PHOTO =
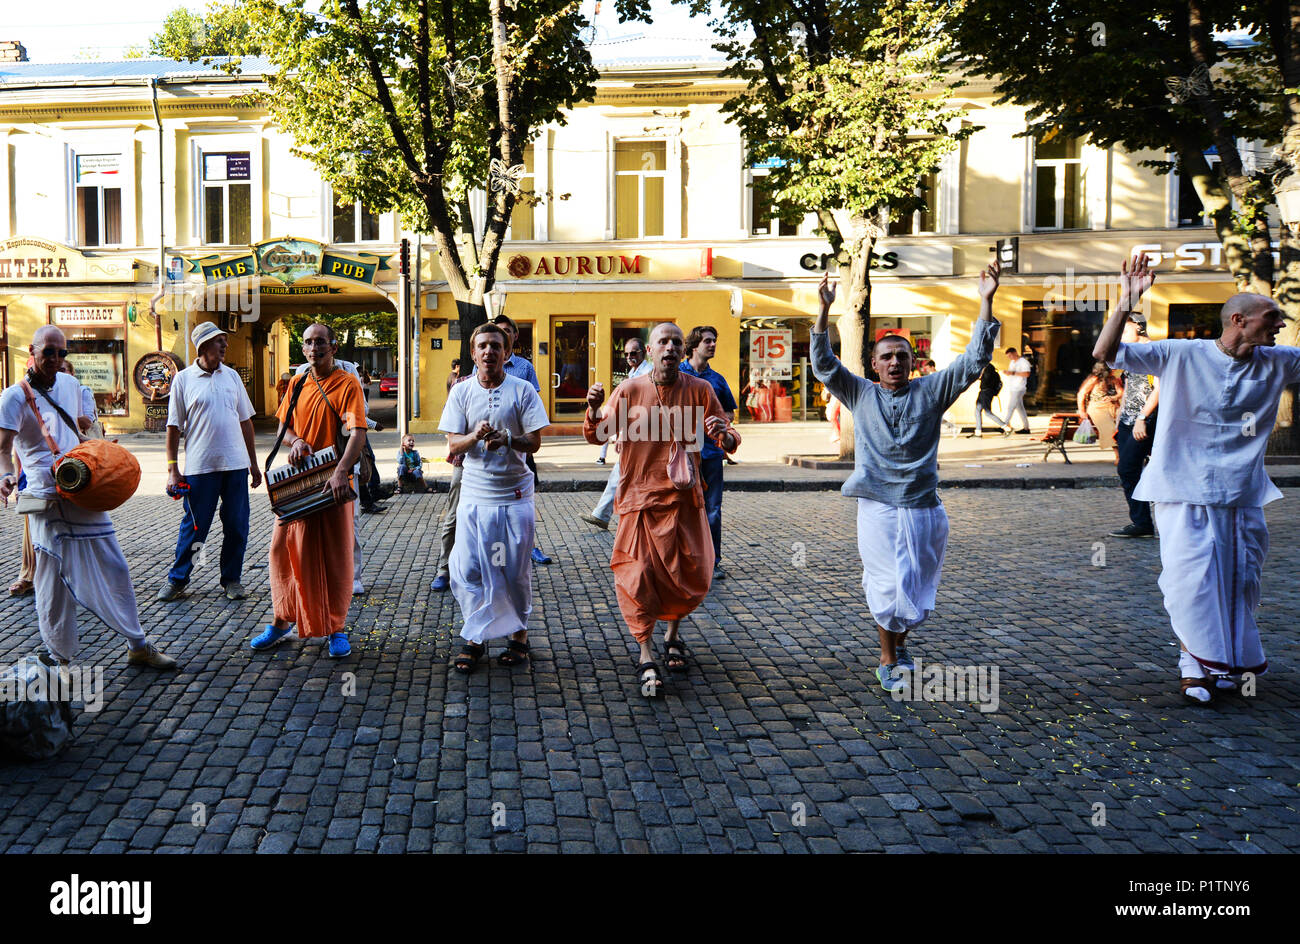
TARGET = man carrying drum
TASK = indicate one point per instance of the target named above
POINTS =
(311, 558)
(78, 559)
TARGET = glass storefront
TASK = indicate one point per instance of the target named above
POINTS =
(775, 373)
(620, 333)
(96, 336)
(1061, 341)
(1195, 321)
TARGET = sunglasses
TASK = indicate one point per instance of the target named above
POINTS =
(59, 352)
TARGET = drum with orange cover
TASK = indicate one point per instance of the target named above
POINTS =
(97, 475)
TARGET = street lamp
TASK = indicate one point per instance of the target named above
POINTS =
(1288, 201)
(496, 302)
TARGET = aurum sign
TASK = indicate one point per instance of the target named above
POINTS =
(523, 267)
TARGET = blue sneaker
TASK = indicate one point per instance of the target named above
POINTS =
(890, 679)
(339, 645)
(440, 583)
(270, 637)
(904, 659)
(539, 557)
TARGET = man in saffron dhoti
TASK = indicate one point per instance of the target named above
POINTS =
(902, 526)
(663, 555)
(78, 559)
(1218, 402)
(311, 558)
(493, 420)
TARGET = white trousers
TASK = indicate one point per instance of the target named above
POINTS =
(1016, 401)
(1211, 558)
(902, 559)
(492, 568)
(605, 507)
(356, 543)
(78, 560)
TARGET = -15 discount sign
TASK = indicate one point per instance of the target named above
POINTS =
(770, 352)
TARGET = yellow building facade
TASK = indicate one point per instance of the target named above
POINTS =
(140, 199)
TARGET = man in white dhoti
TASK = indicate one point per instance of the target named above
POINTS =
(902, 526)
(1218, 402)
(493, 419)
(78, 559)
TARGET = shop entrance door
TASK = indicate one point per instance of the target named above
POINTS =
(572, 356)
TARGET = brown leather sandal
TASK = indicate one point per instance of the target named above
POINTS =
(20, 588)
(1203, 683)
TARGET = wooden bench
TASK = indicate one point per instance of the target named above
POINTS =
(1060, 430)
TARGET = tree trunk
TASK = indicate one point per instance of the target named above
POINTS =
(855, 324)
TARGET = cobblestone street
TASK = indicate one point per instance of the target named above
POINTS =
(779, 738)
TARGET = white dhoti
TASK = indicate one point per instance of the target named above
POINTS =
(902, 558)
(356, 543)
(78, 560)
(1211, 558)
(492, 568)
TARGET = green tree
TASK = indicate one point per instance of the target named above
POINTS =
(189, 36)
(1168, 76)
(379, 325)
(410, 105)
(848, 104)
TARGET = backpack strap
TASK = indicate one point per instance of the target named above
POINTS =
(284, 425)
(45, 430)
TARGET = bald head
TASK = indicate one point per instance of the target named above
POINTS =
(1245, 304)
(665, 353)
(48, 334)
(48, 351)
(1250, 321)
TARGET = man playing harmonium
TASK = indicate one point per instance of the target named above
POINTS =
(311, 557)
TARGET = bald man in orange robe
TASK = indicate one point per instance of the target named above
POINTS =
(663, 555)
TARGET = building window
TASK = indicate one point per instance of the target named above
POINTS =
(763, 220)
(640, 169)
(99, 199)
(96, 336)
(521, 216)
(1191, 211)
(353, 223)
(1059, 198)
(227, 198)
(922, 219)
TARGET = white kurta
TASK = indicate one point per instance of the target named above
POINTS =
(902, 559)
(1211, 558)
(492, 568)
(78, 560)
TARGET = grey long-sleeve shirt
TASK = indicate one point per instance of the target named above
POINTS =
(896, 433)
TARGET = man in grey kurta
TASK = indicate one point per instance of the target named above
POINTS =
(902, 527)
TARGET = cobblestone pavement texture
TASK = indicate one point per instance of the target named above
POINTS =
(777, 740)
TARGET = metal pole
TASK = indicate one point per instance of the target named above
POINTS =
(418, 327)
(803, 389)
(404, 339)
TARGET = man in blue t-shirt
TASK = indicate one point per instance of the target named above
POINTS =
(701, 346)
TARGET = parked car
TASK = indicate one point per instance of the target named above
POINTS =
(388, 385)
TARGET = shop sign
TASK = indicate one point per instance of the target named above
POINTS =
(86, 316)
(96, 371)
(523, 267)
(39, 260)
(154, 374)
(290, 261)
(771, 350)
(1190, 255)
(779, 262)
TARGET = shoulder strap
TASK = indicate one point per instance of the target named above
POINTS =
(49, 440)
(338, 429)
(288, 415)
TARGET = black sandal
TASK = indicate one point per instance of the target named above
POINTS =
(515, 654)
(467, 660)
(650, 687)
(676, 651)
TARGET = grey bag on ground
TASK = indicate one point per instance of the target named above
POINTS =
(36, 729)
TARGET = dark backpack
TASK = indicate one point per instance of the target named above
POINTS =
(991, 382)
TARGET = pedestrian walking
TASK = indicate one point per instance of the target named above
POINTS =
(634, 352)
(701, 347)
(494, 419)
(990, 386)
(211, 409)
(1218, 402)
(1135, 435)
(902, 525)
(1098, 402)
(1017, 374)
(663, 554)
(78, 558)
(311, 559)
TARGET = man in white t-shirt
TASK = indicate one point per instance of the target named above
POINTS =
(1013, 389)
(211, 407)
(78, 559)
(493, 419)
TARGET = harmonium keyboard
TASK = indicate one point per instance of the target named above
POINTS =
(298, 491)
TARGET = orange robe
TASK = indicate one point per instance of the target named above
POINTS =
(663, 553)
(311, 559)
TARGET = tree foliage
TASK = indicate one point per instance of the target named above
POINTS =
(190, 37)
